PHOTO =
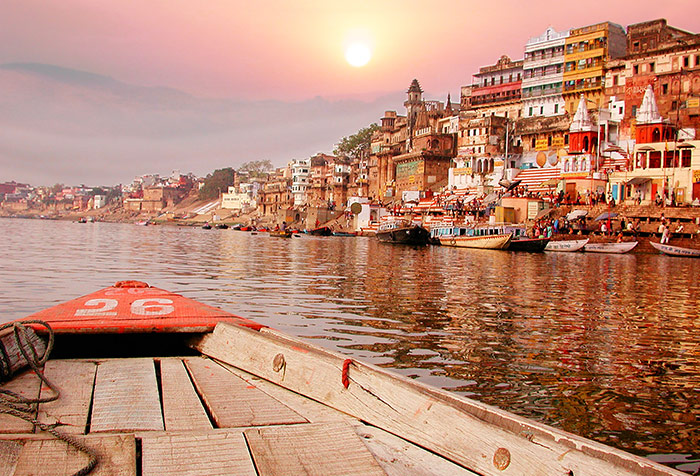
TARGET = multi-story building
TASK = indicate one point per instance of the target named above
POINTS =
(543, 73)
(666, 58)
(587, 52)
(496, 90)
(412, 153)
(300, 179)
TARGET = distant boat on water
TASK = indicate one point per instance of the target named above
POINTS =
(566, 245)
(676, 250)
(622, 247)
(403, 231)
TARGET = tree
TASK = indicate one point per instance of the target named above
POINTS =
(216, 183)
(255, 168)
(358, 144)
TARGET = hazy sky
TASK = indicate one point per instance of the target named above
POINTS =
(281, 49)
(292, 51)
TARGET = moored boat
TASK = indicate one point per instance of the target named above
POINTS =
(224, 390)
(531, 245)
(321, 231)
(403, 231)
(281, 233)
(566, 245)
(618, 247)
(206, 226)
(484, 237)
(221, 226)
(675, 250)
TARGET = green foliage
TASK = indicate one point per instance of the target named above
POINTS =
(358, 144)
(216, 183)
(256, 168)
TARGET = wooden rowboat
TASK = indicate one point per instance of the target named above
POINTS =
(622, 247)
(676, 250)
(153, 383)
(281, 233)
(491, 242)
(566, 245)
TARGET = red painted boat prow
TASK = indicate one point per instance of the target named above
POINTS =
(134, 306)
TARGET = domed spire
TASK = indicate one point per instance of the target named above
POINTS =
(582, 120)
(415, 87)
(649, 111)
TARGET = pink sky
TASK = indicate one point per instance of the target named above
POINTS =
(278, 49)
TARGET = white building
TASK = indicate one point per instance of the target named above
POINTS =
(543, 73)
(300, 179)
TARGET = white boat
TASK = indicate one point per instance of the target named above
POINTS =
(566, 245)
(491, 242)
(622, 247)
(676, 250)
(484, 237)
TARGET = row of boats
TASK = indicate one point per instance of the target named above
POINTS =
(510, 237)
(504, 237)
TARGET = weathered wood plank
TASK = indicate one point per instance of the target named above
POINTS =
(74, 379)
(50, 457)
(208, 454)
(233, 402)
(313, 411)
(475, 435)
(398, 457)
(9, 455)
(316, 449)
(26, 384)
(182, 408)
(126, 397)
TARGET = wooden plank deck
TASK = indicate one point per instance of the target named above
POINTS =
(182, 408)
(74, 380)
(312, 449)
(233, 402)
(197, 453)
(27, 385)
(126, 396)
(46, 456)
(311, 439)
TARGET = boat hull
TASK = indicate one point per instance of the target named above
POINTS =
(281, 234)
(321, 231)
(676, 250)
(412, 235)
(616, 248)
(488, 242)
(566, 245)
(530, 245)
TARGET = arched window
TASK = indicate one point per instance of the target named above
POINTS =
(656, 135)
(491, 165)
(585, 144)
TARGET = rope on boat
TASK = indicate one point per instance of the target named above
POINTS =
(16, 405)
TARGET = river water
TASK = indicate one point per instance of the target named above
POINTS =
(607, 347)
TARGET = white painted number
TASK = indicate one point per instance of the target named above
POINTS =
(152, 307)
(105, 310)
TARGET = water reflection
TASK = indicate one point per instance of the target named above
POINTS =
(602, 346)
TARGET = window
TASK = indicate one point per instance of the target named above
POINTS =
(664, 88)
(635, 69)
(530, 111)
(533, 142)
(651, 67)
(635, 46)
(686, 61)
(614, 80)
(541, 110)
(634, 111)
(556, 108)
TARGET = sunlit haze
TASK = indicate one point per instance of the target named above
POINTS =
(235, 71)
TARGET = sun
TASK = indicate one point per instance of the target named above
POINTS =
(358, 54)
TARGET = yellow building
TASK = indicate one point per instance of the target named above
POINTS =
(586, 54)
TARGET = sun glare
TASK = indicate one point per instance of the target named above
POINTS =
(358, 54)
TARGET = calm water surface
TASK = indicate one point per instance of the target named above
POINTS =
(607, 347)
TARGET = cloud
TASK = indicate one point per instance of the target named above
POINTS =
(62, 125)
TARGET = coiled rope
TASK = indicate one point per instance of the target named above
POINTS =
(14, 404)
